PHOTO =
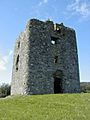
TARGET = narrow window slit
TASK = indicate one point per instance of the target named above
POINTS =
(63, 34)
(19, 44)
(17, 62)
(56, 59)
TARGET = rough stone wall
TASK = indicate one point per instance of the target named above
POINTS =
(45, 48)
(19, 77)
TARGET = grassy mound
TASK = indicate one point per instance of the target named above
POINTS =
(46, 107)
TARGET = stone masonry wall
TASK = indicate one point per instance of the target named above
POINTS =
(45, 50)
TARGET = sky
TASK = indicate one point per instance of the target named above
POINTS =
(14, 15)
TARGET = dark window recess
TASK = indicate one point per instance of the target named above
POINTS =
(63, 34)
(54, 40)
(17, 62)
(19, 44)
(56, 59)
(59, 30)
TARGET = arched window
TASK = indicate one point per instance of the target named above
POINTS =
(17, 62)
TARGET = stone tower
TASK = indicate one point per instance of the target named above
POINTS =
(45, 60)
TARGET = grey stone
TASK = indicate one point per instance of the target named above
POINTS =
(45, 60)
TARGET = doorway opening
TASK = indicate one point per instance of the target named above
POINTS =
(58, 82)
(58, 85)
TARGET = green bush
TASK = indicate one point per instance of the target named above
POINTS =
(5, 90)
(85, 87)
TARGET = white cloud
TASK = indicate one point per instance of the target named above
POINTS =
(42, 2)
(4, 60)
(2, 65)
(78, 7)
(10, 53)
(45, 1)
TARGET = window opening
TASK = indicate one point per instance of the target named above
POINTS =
(17, 62)
(19, 44)
(54, 40)
(56, 59)
(58, 30)
(63, 34)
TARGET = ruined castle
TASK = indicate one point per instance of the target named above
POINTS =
(45, 60)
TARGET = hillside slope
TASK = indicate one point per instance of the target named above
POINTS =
(46, 107)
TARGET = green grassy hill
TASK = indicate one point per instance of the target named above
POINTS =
(46, 107)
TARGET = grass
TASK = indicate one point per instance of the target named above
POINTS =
(46, 107)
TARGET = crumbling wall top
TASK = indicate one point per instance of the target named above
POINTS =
(48, 23)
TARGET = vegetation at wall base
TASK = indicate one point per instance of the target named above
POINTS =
(85, 87)
(5, 90)
(46, 107)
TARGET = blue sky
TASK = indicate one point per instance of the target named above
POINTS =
(15, 13)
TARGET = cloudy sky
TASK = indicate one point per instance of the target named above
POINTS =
(15, 13)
